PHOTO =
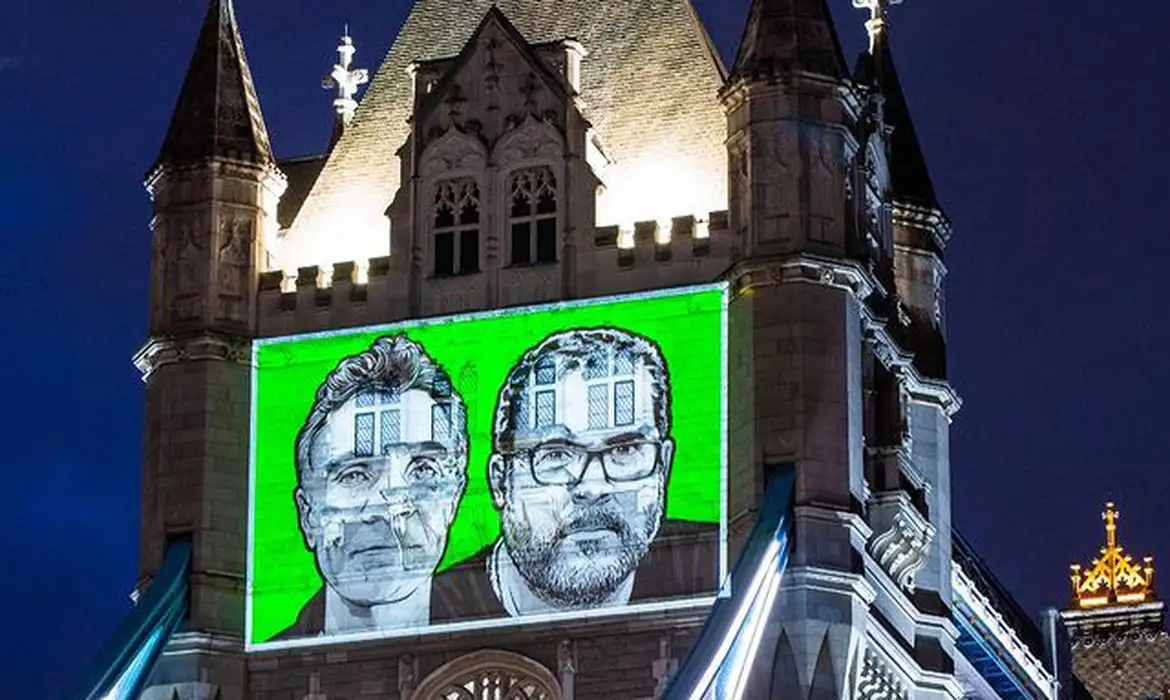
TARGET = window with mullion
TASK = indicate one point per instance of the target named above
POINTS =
(533, 216)
(456, 227)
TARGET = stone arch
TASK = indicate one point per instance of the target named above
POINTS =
(490, 673)
(453, 153)
(533, 140)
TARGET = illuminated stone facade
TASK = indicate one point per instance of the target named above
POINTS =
(785, 175)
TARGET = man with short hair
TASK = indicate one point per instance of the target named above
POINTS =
(581, 456)
(381, 466)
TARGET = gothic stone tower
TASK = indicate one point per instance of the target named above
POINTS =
(792, 178)
(215, 188)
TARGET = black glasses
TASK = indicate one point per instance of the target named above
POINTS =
(564, 464)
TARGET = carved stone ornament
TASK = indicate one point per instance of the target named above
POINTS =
(876, 681)
(532, 139)
(498, 675)
(902, 537)
(453, 151)
(159, 352)
(407, 676)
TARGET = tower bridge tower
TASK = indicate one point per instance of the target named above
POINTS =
(518, 153)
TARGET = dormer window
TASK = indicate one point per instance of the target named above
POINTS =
(533, 216)
(456, 227)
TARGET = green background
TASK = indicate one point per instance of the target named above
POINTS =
(477, 351)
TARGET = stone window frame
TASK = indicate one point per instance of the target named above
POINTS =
(520, 673)
(534, 217)
(457, 228)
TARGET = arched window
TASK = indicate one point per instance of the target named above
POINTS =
(533, 216)
(456, 227)
(490, 675)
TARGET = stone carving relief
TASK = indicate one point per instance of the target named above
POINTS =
(530, 140)
(234, 267)
(530, 285)
(453, 151)
(737, 190)
(490, 674)
(449, 295)
(773, 153)
(495, 685)
(902, 537)
(876, 681)
(823, 169)
(493, 70)
(665, 666)
(187, 269)
(407, 676)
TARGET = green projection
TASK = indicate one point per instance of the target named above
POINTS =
(615, 405)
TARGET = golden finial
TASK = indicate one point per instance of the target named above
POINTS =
(1110, 517)
(1114, 578)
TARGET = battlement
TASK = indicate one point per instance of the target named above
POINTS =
(648, 255)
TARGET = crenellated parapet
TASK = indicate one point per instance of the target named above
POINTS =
(611, 260)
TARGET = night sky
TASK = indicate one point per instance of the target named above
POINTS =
(1044, 126)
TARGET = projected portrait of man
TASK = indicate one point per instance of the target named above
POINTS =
(381, 466)
(581, 456)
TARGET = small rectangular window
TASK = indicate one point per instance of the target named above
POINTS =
(623, 362)
(441, 422)
(445, 253)
(596, 365)
(468, 251)
(546, 370)
(623, 403)
(363, 435)
(599, 406)
(391, 430)
(546, 409)
(520, 414)
(521, 243)
(546, 240)
(365, 399)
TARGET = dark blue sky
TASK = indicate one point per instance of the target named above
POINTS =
(1044, 126)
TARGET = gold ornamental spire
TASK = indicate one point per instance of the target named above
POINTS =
(1113, 578)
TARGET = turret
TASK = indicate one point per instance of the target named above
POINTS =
(215, 189)
(789, 149)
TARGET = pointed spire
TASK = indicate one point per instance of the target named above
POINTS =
(909, 174)
(782, 36)
(218, 114)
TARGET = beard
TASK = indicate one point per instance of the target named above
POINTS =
(577, 564)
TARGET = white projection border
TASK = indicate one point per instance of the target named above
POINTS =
(681, 604)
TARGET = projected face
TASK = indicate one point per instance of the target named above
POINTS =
(385, 472)
(581, 464)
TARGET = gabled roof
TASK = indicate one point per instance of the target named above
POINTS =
(493, 16)
(782, 36)
(650, 85)
(217, 114)
(909, 174)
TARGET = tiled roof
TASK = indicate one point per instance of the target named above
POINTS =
(789, 35)
(1132, 666)
(301, 173)
(650, 85)
(218, 114)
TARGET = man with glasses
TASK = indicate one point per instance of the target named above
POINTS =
(581, 457)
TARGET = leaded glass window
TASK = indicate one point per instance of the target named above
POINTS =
(456, 227)
(533, 216)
